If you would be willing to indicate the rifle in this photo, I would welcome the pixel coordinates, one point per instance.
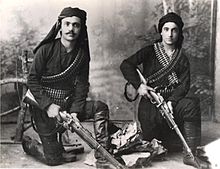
(71, 124)
(161, 104)
(67, 121)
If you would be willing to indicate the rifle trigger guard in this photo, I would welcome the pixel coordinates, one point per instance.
(152, 101)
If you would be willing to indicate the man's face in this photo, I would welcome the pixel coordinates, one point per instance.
(170, 33)
(70, 27)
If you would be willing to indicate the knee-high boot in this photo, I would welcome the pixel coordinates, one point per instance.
(192, 133)
(101, 132)
(101, 126)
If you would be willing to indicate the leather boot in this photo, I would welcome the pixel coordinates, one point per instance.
(102, 136)
(34, 148)
(102, 130)
(192, 132)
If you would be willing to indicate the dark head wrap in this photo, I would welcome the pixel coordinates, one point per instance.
(67, 12)
(170, 17)
(173, 17)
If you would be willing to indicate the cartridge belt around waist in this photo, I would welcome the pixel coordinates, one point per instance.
(165, 91)
(58, 96)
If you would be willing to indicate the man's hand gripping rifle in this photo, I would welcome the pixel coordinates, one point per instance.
(73, 125)
(165, 111)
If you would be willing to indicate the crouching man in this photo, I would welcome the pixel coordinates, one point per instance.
(167, 71)
(60, 70)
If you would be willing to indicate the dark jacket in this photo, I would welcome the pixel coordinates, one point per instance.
(147, 58)
(52, 59)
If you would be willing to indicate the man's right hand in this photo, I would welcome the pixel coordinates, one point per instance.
(53, 110)
(144, 90)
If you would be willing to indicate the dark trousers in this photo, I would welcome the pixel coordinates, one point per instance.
(96, 110)
(155, 126)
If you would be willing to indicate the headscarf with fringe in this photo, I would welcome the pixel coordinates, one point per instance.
(67, 12)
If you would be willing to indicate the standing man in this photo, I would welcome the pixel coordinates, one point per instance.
(167, 70)
(60, 70)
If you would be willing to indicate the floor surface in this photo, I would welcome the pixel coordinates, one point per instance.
(12, 155)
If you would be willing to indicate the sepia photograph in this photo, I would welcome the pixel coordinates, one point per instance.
(112, 84)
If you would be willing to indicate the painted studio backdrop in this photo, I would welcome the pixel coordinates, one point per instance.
(117, 29)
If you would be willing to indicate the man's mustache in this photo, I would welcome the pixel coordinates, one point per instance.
(71, 32)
